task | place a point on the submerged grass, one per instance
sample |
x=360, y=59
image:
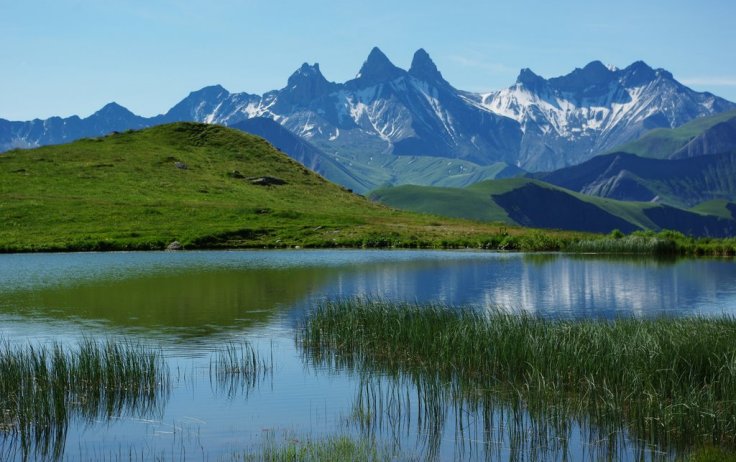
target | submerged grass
x=42, y=388
x=670, y=383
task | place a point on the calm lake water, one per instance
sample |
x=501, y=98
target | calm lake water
x=190, y=304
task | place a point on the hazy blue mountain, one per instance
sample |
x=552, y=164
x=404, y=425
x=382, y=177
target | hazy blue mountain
x=386, y=114
x=57, y=130
x=302, y=151
x=567, y=120
x=680, y=182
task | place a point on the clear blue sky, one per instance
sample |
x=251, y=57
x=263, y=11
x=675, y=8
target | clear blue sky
x=64, y=57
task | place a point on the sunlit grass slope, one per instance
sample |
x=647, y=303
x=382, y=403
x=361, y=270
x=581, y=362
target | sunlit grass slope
x=194, y=183
x=661, y=142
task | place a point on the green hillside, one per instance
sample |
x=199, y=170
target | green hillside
x=201, y=185
x=660, y=143
x=720, y=208
x=533, y=203
x=678, y=182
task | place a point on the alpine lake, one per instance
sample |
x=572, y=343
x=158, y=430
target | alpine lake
x=192, y=306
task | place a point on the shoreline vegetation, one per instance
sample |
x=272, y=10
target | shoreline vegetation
x=663, y=243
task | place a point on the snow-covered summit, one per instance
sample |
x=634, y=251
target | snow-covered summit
x=570, y=118
x=536, y=123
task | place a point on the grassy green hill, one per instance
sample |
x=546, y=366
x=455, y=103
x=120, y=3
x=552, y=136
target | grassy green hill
x=197, y=184
x=661, y=143
x=533, y=203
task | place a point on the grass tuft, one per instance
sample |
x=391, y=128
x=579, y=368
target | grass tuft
x=318, y=450
x=237, y=368
x=42, y=388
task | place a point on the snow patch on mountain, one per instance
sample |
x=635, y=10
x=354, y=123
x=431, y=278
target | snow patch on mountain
x=536, y=123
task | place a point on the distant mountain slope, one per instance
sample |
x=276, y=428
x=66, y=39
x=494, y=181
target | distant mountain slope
x=56, y=130
x=383, y=110
x=365, y=175
x=534, y=203
x=568, y=119
x=303, y=151
x=386, y=113
x=707, y=135
x=680, y=182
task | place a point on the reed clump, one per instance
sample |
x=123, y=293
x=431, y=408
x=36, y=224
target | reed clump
x=237, y=367
x=44, y=387
x=663, y=243
x=295, y=449
x=669, y=382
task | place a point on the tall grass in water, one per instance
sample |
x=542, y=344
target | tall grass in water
x=333, y=448
x=237, y=368
x=668, y=382
x=42, y=388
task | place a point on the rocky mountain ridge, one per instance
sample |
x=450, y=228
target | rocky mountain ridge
x=385, y=111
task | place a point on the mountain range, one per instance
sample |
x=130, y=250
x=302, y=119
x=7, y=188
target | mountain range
x=393, y=126
x=682, y=179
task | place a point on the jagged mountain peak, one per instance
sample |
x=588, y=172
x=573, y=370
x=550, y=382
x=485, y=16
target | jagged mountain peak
x=305, y=84
x=210, y=91
x=536, y=124
x=306, y=72
x=639, y=66
x=423, y=68
x=198, y=105
x=113, y=109
x=594, y=74
x=527, y=78
x=640, y=73
x=597, y=68
x=377, y=68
